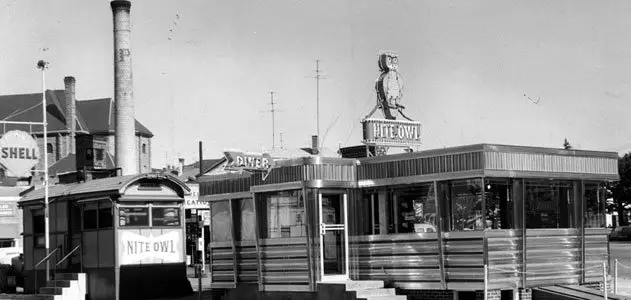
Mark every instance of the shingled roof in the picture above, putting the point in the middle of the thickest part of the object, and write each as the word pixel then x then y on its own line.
pixel 93 116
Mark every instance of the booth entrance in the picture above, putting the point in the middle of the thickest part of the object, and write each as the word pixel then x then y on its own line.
pixel 333 210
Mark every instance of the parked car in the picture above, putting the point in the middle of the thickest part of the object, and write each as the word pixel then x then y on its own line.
pixel 620 233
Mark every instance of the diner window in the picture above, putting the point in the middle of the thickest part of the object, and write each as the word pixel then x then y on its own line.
pixel 244 219
pixel 99 154
pixel 105 215
pixel 90 216
pixel 466 205
pixel 283 217
pixel 594 213
pixel 133 216
pixel 39 224
pixel 39 228
pixel 75 216
pixel 414 209
pixel 549 204
pixel 499 204
pixel 165 216
pixel 220 224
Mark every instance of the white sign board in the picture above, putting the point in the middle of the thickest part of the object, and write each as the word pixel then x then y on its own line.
pixel 135 248
pixel 19 153
pixel 192 201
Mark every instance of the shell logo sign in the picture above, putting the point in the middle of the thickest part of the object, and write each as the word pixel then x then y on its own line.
pixel 19 153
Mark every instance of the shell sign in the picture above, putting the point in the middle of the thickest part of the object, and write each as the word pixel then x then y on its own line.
pixel 19 153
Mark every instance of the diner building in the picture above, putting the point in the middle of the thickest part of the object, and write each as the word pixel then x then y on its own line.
pixel 113 238
pixel 447 223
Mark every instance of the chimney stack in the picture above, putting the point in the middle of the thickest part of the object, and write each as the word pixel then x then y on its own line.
pixel 125 128
pixel 71 112
pixel 314 144
pixel 180 166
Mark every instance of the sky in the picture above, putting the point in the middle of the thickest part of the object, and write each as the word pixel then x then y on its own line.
pixel 511 72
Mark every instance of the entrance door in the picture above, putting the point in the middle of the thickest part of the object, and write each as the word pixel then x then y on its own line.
pixel 333 236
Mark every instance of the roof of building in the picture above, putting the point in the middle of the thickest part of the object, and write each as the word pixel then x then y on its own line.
pixel 110 184
pixel 93 116
pixel 69 164
pixel 12 191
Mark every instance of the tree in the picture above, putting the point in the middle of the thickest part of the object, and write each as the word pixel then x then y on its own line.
pixel 621 190
pixel 566 144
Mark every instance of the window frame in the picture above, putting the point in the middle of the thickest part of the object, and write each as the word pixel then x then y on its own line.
pixel 262 222
pixel 149 206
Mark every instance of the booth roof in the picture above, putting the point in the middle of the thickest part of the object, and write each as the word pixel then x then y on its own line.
pixel 110 184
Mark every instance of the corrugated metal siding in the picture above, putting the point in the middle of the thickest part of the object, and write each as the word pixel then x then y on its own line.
pixel 233 185
pixel 329 172
pixel 535 162
pixel 421 166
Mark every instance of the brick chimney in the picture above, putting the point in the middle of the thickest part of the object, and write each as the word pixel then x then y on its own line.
pixel 125 128
pixel 71 112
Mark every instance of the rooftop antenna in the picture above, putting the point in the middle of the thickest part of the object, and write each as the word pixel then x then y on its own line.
pixel 281 140
pixel 273 111
pixel 317 77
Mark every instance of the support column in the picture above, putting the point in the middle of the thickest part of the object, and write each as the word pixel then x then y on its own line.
pixel 525 294
pixel 383 211
pixel 490 295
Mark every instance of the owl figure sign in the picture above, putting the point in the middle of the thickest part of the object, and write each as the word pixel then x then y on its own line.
pixel 389 86
pixel 390 132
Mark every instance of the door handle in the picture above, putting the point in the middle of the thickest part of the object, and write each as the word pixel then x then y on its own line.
pixel 322 229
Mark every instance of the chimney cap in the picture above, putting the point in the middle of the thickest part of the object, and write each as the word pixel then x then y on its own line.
pixel 120 4
pixel 69 79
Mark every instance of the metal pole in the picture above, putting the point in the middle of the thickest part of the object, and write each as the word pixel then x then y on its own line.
pixel 605 278
pixel 203 250
pixel 486 282
pixel 615 276
pixel 199 282
pixel 318 99
pixel 42 65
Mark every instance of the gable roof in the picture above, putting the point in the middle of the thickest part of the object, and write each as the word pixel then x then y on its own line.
pixel 93 116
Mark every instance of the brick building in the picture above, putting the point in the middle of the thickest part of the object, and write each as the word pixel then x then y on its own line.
pixel 80 132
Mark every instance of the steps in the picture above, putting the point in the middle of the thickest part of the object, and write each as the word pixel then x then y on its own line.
pixel 358 290
pixel 65 286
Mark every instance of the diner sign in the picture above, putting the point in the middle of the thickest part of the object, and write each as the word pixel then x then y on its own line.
pixel 254 162
pixel 19 153
pixel 391 132
pixel 134 248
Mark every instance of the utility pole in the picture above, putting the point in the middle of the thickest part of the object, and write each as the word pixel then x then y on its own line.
pixel 273 111
pixel 42 65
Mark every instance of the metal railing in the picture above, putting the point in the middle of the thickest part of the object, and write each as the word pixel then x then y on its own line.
pixel 45 259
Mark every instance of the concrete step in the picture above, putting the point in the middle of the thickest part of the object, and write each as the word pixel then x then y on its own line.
pixel 67 276
pixel 59 283
pixel 47 290
pixel 391 297
pixel 49 297
pixel 363 294
pixel 352 285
